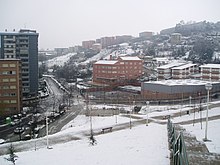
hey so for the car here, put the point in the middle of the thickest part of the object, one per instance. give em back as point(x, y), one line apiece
point(36, 130)
point(27, 137)
point(15, 122)
point(19, 130)
point(2, 141)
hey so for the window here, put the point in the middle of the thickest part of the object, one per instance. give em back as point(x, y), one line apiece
point(6, 101)
point(5, 80)
point(12, 87)
point(12, 80)
point(13, 101)
point(5, 87)
point(4, 65)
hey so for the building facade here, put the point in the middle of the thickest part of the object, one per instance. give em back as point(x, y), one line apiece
point(23, 45)
point(175, 38)
point(88, 44)
point(210, 72)
point(10, 87)
point(165, 71)
point(184, 71)
point(118, 71)
point(176, 89)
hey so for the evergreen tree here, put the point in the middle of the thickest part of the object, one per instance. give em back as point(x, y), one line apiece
point(12, 157)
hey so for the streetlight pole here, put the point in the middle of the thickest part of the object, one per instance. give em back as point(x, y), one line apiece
point(47, 132)
point(147, 112)
point(190, 98)
point(208, 87)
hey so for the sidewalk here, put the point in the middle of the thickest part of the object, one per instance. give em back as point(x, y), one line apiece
point(197, 151)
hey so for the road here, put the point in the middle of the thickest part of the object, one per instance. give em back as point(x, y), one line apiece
point(52, 103)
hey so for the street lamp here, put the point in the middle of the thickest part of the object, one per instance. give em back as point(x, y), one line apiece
point(147, 112)
point(208, 87)
point(190, 101)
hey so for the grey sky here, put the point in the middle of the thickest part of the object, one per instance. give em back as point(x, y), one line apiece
point(65, 23)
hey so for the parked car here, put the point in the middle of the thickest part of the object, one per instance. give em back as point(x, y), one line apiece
point(19, 130)
point(27, 137)
point(2, 141)
point(15, 122)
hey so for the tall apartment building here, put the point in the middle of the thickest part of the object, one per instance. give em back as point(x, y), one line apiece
point(117, 71)
point(88, 44)
point(23, 45)
point(10, 87)
point(210, 72)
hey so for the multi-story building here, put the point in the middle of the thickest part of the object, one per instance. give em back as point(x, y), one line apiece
point(23, 45)
point(10, 87)
point(184, 71)
point(117, 71)
point(175, 38)
point(146, 34)
point(210, 72)
point(165, 71)
point(107, 41)
point(88, 44)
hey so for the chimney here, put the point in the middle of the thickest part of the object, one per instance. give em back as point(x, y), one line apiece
point(110, 57)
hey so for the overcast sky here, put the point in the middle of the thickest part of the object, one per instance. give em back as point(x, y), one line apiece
point(65, 23)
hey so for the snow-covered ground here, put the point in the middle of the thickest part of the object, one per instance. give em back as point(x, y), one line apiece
point(59, 60)
point(213, 134)
point(140, 145)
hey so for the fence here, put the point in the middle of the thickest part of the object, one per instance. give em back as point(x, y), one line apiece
point(177, 145)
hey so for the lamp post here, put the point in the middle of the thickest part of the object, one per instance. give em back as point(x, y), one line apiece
point(208, 87)
point(47, 132)
point(190, 101)
point(147, 112)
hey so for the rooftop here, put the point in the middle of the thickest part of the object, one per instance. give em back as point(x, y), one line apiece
point(106, 62)
point(217, 66)
point(128, 58)
point(181, 82)
point(184, 66)
point(171, 65)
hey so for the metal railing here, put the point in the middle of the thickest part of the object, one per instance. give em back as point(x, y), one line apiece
point(177, 145)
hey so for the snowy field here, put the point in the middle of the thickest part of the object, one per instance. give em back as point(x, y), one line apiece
point(140, 145)
point(60, 61)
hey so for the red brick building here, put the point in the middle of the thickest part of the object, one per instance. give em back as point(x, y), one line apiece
point(118, 71)
point(10, 87)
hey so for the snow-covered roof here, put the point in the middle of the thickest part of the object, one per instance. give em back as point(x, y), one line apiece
point(106, 62)
point(181, 82)
point(127, 58)
point(217, 66)
point(184, 66)
point(171, 65)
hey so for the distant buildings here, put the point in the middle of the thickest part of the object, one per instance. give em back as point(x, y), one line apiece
point(10, 87)
point(118, 71)
point(105, 42)
point(23, 45)
point(175, 38)
point(88, 44)
point(146, 34)
point(210, 72)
